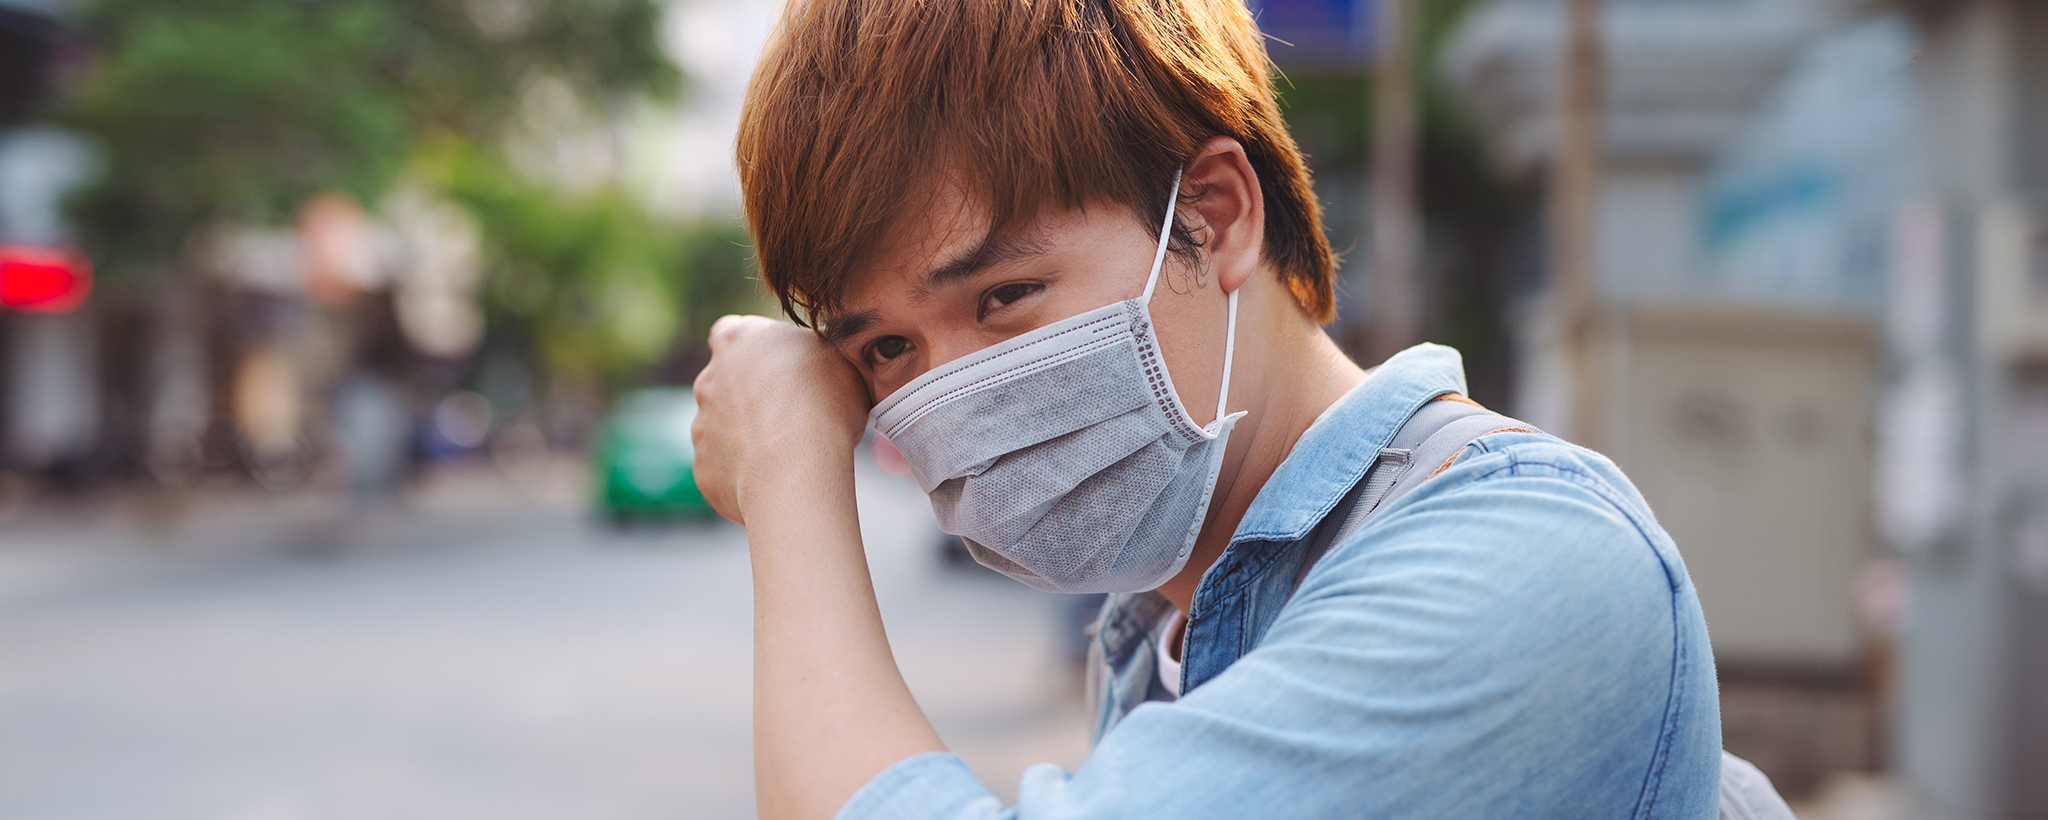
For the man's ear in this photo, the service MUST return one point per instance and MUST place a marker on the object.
(1225, 196)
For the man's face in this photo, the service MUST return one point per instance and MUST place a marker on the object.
(929, 297)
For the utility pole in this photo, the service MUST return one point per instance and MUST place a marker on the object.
(1397, 304)
(1574, 205)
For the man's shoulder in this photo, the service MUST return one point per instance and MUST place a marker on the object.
(1488, 598)
(1542, 475)
(1526, 513)
(1559, 487)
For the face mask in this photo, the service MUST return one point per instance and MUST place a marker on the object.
(1063, 457)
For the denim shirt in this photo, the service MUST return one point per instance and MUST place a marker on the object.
(1517, 637)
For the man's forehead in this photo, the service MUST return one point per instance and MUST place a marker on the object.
(899, 273)
(914, 283)
(946, 235)
(943, 236)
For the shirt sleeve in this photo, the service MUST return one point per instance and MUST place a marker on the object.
(932, 784)
(1512, 643)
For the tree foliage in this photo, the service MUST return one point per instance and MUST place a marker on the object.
(239, 111)
(242, 109)
(603, 286)
(1470, 208)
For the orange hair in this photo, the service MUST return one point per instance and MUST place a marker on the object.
(1031, 104)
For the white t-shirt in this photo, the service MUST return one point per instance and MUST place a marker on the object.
(1169, 666)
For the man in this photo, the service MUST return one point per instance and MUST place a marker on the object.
(1064, 254)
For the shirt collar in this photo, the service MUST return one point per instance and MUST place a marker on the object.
(1335, 451)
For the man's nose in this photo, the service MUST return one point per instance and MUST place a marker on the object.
(946, 345)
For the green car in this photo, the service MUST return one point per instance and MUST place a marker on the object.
(643, 456)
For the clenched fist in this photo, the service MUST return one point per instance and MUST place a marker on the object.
(774, 398)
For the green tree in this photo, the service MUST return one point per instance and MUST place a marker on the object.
(238, 111)
(603, 286)
(241, 109)
(1472, 210)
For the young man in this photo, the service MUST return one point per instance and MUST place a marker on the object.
(1066, 256)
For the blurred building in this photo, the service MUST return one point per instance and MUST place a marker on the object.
(49, 389)
(1736, 397)
(1964, 456)
(351, 335)
(28, 45)
(685, 159)
(1822, 344)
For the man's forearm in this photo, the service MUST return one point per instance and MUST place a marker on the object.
(830, 707)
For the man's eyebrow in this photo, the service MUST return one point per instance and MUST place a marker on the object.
(988, 254)
(838, 329)
(991, 252)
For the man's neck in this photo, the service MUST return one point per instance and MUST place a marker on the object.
(1292, 381)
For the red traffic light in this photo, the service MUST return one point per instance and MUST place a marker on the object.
(43, 280)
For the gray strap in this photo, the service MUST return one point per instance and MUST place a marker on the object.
(1355, 505)
(1447, 441)
(1432, 417)
(1437, 431)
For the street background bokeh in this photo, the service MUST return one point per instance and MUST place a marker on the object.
(341, 344)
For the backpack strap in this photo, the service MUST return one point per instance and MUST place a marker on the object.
(1425, 445)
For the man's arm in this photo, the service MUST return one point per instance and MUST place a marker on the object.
(775, 454)
(1505, 642)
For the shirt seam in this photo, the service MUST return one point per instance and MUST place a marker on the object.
(1596, 484)
(1653, 780)
(1478, 442)
(1675, 687)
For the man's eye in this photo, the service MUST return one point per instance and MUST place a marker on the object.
(1005, 295)
(887, 348)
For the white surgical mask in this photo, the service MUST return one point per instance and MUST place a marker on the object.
(1063, 457)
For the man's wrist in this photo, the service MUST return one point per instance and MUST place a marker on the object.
(802, 471)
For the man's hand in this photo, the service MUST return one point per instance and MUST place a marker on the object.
(774, 398)
(778, 415)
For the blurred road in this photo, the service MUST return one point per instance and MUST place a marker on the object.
(485, 652)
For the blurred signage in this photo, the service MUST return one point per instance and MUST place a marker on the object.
(1317, 33)
(42, 279)
(28, 41)
(1797, 210)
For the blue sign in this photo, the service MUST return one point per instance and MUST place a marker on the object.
(1317, 33)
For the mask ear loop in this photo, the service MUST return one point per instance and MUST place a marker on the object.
(1165, 230)
(1229, 345)
(1152, 281)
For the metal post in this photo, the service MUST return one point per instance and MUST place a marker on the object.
(1397, 304)
(1574, 203)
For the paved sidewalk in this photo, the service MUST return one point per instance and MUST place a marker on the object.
(488, 652)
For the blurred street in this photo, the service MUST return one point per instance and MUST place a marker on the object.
(484, 650)
(343, 344)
